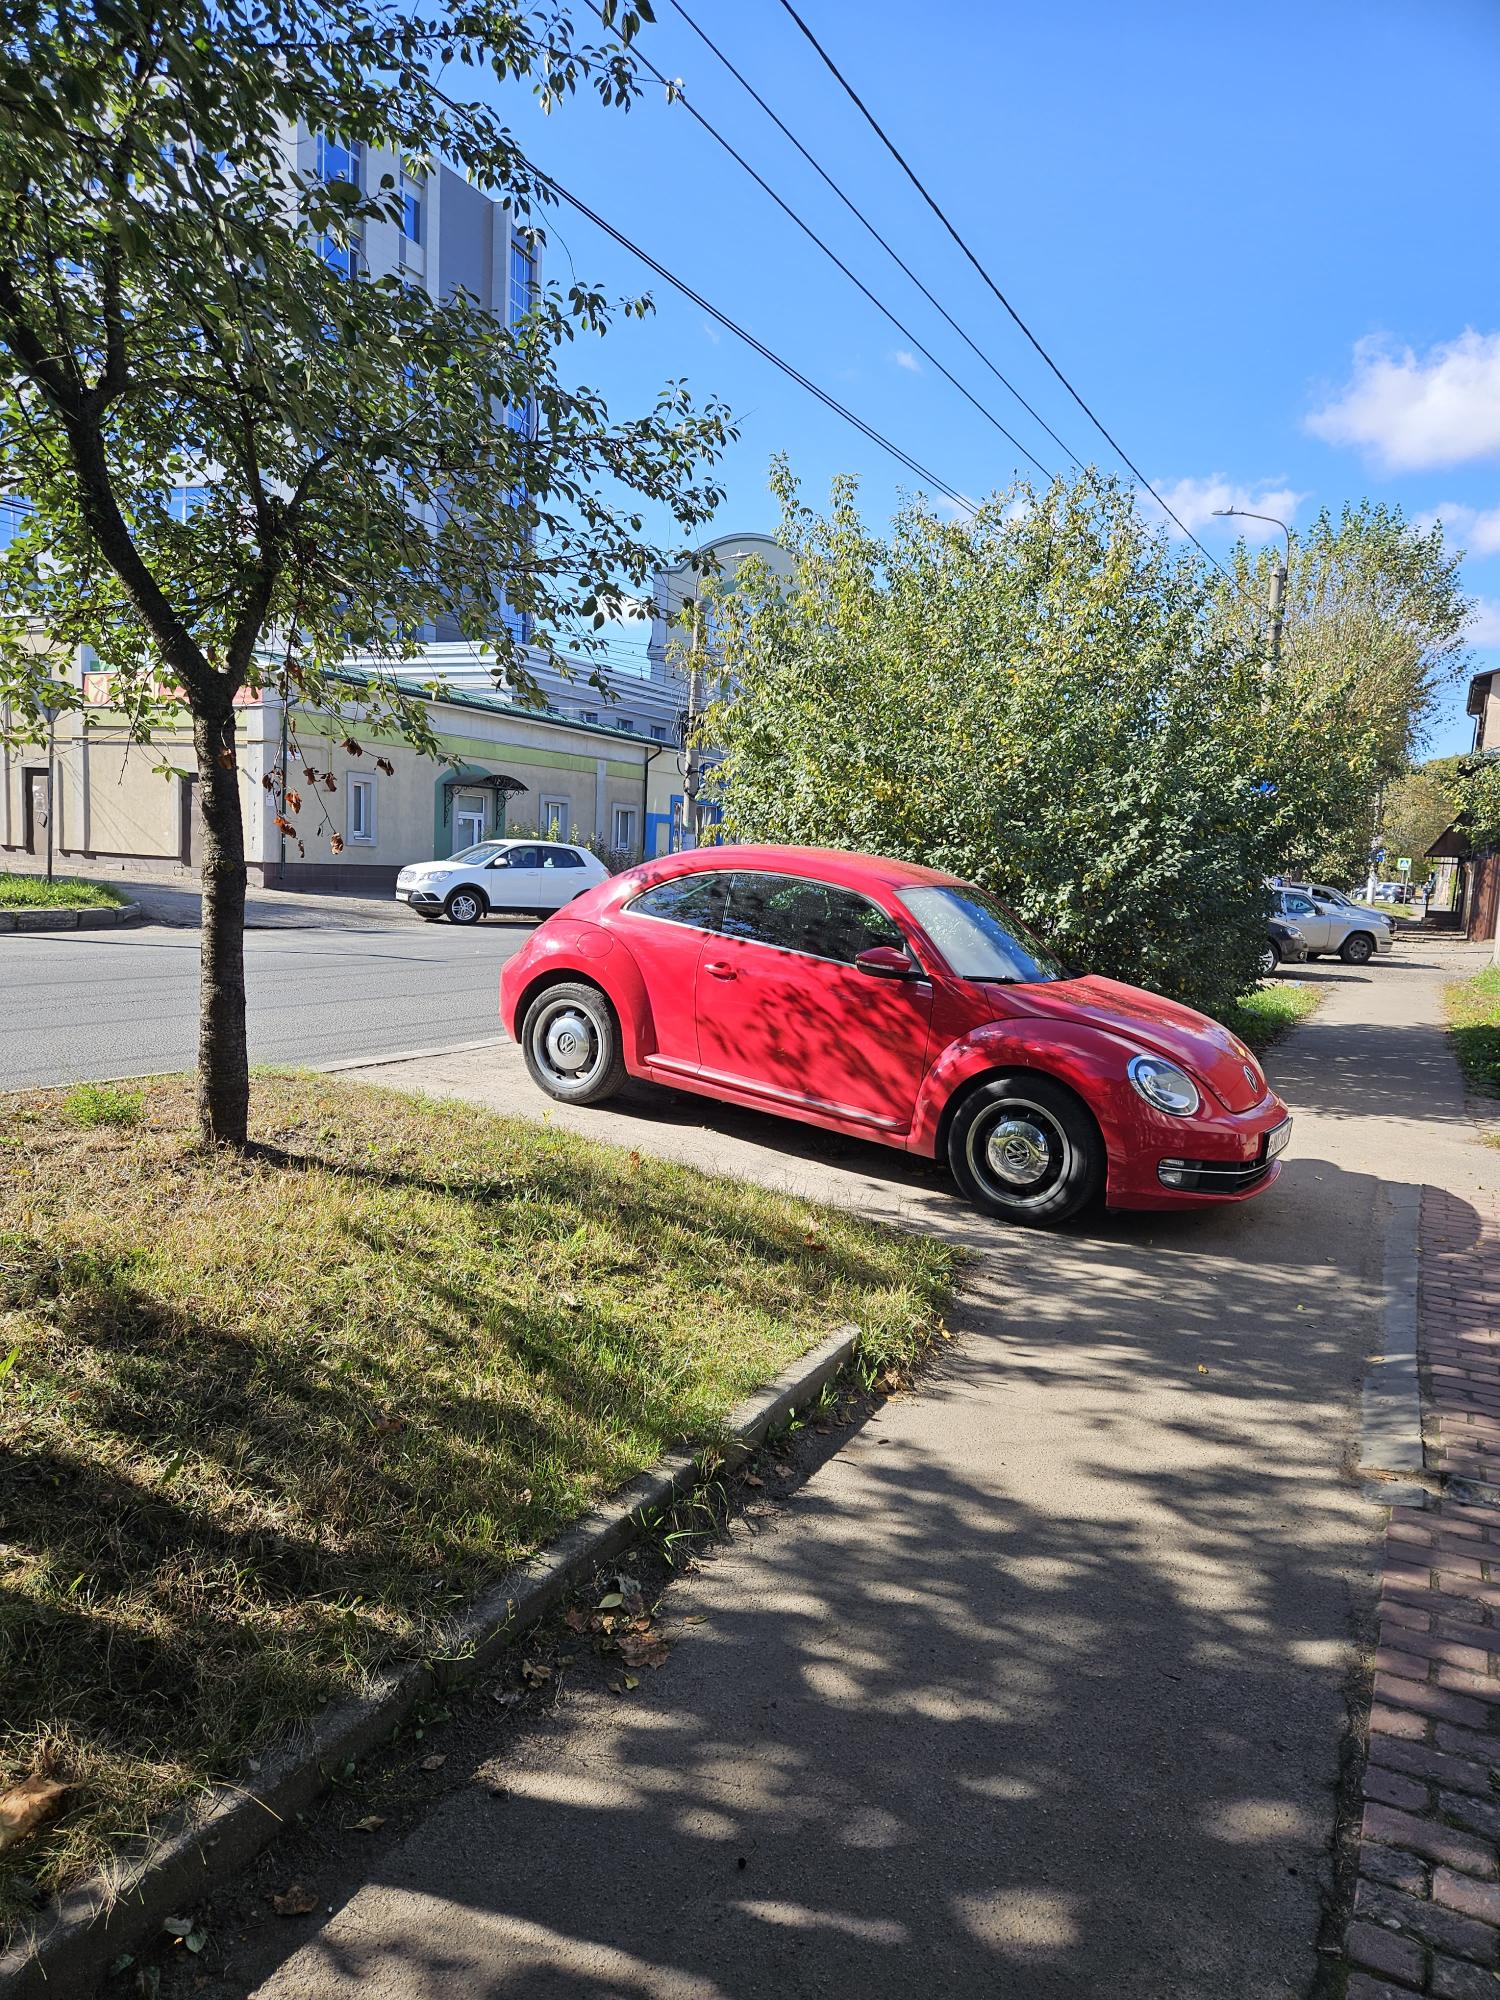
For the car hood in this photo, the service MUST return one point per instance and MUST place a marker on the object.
(418, 870)
(1200, 1045)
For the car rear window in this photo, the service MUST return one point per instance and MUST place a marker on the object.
(979, 938)
(697, 900)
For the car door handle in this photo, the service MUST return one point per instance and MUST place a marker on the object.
(718, 968)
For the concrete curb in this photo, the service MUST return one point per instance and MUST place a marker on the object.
(92, 1924)
(411, 1055)
(102, 917)
(1391, 1413)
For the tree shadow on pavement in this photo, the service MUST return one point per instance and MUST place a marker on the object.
(1038, 1689)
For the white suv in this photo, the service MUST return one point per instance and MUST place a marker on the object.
(529, 877)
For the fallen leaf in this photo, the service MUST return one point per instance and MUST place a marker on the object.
(24, 1807)
(534, 1673)
(610, 1599)
(696, 1618)
(507, 1697)
(294, 1902)
(624, 1684)
(576, 1621)
(643, 1649)
(753, 1479)
(371, 1823)
(435, 1762)
(1201, 1369)
(568, 1299)
(177, 1927)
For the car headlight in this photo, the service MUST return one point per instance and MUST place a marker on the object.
(1292, 931)
(1164, 1085)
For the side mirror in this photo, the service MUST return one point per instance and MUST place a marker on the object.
(500, 861)
(885, 961)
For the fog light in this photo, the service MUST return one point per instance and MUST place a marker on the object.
(1172, 1173)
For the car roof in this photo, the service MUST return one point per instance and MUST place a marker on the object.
(820, 864)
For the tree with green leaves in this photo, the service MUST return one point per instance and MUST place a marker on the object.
(372, 458)
(1414, 809)
(1375, 618)
(1039, 699)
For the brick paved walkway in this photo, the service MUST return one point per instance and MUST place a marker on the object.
(1427, 1906)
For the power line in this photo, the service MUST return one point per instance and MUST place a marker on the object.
(873, 122)
(889, 248)
(830, 402)
(833, 257)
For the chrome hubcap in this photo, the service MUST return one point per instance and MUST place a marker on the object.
(1018, 1151)
(569, 1041)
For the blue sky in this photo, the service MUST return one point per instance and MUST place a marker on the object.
(1265, 249)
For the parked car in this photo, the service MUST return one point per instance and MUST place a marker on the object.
(1285, 945)
(525, 877)
(1356, 934)
(1341, 900)
(896, 1004)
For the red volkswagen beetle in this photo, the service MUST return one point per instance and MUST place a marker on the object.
(897, 1004)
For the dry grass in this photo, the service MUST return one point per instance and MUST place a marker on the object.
(1261, 1017)
(269, 1422)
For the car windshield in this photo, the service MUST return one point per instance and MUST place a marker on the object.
(979, 938)
(485, 851)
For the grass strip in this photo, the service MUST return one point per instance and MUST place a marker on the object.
(35, 892)
(1473, 1010)
(1261, 1017)
(266, 1423)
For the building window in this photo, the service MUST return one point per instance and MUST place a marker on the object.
(13, 513)
(340, 160)
(624, 722)
(184, 501)
(554, 819)
(413, 201)
(588, 715)
(658, 733)
(522, 282)
(622, 832)
(362, 810)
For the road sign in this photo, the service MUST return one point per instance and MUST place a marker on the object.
(1404, 864)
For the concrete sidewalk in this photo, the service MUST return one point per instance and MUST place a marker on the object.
(1039, 1687)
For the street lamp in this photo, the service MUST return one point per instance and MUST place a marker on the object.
(1278, 574)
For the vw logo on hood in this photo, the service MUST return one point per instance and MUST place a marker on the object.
(1250, 1077)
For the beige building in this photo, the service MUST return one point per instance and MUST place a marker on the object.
(129, 809)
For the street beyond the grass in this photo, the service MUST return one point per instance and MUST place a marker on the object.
(330, 980)
(1040, 1685)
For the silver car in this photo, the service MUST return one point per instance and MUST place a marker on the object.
(1330, 922)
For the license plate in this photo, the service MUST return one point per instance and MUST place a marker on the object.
(402, 895)
(1276, 1141)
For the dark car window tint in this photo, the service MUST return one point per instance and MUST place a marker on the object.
(979, 938)
(561, 857)
(810, 917)
(523, 857)
(687, 899)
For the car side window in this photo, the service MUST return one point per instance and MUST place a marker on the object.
(1297, 906)
(563, 857)
(696, 900)
(523, 857)
(810, 917)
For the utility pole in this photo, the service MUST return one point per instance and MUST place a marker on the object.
(1278, 574)
(692, 766)
(51, 708)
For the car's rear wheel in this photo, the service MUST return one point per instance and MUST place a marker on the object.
(1025, 1149)
(1357, 950)
(1269, 959)
(465, 905)
(571, 1042)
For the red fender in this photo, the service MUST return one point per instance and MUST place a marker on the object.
(567, 947)
(1087, 1061)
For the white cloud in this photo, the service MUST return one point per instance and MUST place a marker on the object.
(1476, 529)
(1484, 625)
(1195, 502)
(1409, 411)
(711, 332)
(908, 361)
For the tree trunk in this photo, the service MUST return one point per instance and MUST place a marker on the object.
(223, 1057)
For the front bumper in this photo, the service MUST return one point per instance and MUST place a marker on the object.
(1200, 1162)
(418, 898)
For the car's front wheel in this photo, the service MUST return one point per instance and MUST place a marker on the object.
(1269, 959)
(1357, 950)
(1025, 1149)
(571, 1042)
(465, 905)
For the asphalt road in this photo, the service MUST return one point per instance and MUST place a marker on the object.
(324, 986)
(1039, 1686)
